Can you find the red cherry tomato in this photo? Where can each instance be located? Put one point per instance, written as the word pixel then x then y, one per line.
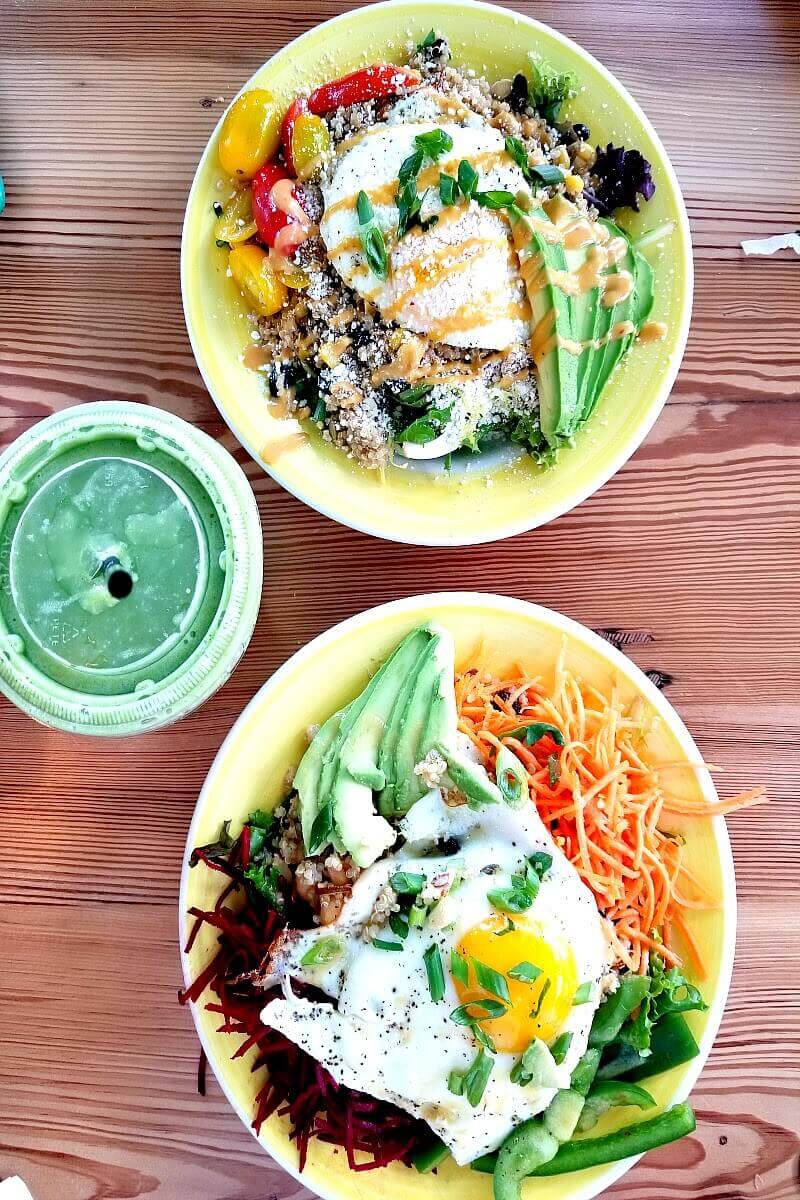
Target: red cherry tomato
pixel 296 109
pixel 370 83
pixel 276 208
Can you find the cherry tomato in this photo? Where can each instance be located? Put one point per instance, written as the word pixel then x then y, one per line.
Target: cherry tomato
pixel 250 133
pixel 255 278
pixel 370 83
pixel 235 223
pixel 310 140
pixel 276 208
pixel 295 109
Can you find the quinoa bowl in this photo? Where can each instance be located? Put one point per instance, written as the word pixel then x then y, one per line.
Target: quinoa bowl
pixel 492 635
pixel 410 367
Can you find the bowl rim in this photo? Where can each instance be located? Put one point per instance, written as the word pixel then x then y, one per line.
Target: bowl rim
pixel 575 631
pixel 637 435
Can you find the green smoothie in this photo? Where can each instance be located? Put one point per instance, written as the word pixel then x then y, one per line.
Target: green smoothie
pixel 130 568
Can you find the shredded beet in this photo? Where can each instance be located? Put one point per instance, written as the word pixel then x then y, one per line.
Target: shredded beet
pixel 295 1084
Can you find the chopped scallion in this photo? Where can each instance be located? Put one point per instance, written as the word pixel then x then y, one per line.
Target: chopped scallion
pixel 491 980
pixel 459 968
pixel 525 972
pixel 382 944
pixel 325 950
pixel 435 972
pixel 560 1046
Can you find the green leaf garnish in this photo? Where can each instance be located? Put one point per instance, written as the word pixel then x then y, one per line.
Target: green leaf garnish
pixel 448 189
pixel 467 179
pixel 325 950
pixel 264 880
pixel 407 883
pixel 583 995
pixel 426 428
pixel 533 733
pixel 459 968
pixel 371 237
pixel 435 972
pixel 498 200
pixel 434 144
pixel 410 167
pixel 260 823
pixel 560 1046
pixel 525 972
pixel 427 41
pixel 550 88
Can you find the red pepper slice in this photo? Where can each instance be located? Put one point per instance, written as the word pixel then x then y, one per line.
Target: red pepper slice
pixel 370 83
pixel 270 217
pixel 295 110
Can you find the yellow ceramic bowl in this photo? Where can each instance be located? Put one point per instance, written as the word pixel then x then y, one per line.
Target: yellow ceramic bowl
pixel 414 505
pixel 249 772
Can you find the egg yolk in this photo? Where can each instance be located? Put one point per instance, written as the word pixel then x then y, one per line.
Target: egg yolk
pixel 538 1009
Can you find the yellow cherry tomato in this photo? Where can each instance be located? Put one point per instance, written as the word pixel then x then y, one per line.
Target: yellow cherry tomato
pixel 251 133
pixel 235 223
pixel 310 140
pixel 258 283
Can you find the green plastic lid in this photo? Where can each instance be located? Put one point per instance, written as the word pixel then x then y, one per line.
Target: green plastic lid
pixel 131 567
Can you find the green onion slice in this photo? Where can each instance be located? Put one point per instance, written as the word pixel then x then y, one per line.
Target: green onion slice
pixel 525 972
pixel 325 950
pixel 491 980
pixel 435 971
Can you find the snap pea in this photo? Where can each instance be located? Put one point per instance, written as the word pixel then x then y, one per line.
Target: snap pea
pixel 615 1010
pixel 528 1147
pixel 671 1044
pixel 430 1156
pixel 625 1143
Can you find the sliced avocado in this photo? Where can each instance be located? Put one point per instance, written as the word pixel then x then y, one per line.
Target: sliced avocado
pixel 359 751
pixel 363 833
pixel 409 787
pixel 563 1113
pixel 556 366
pixel 388 757
pixel 307 776
pixel 396 667
pixel 634 308
pixel 468 777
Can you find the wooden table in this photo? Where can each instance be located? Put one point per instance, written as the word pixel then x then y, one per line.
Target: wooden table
pixel 694 546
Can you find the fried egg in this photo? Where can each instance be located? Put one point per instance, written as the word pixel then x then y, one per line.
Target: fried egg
pixel 381 1031
pixel 455 280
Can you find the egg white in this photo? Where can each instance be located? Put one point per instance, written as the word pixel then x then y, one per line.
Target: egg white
pixel 383 1034
pixel 457 266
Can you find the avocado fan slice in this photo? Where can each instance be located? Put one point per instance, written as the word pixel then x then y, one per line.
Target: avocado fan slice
pixel 396 667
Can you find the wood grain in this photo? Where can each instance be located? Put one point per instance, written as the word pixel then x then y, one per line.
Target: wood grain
pixel 694 549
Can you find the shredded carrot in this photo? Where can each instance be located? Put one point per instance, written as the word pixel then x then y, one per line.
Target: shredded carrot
pixel 602 801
